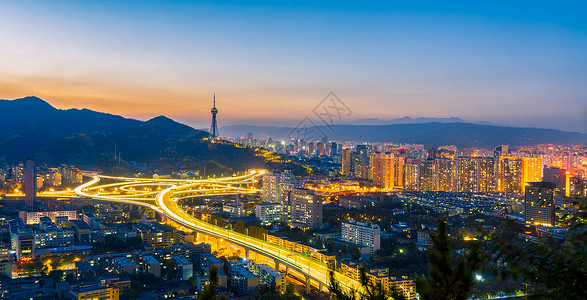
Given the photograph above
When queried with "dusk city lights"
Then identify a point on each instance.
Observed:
(289, 150)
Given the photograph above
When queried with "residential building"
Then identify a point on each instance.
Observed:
(306, 209)
(270, 277)
(539, 204)
(30, 183)
(268, 212)
(510, 175)
(34, 217)
(95, 292)
(183, 267)
(124, 264)
(242, 279)
(531, 170)
(382, 169)
(363, 234)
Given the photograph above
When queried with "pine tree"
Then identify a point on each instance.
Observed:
(450, 275)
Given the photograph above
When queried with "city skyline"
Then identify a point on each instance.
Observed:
(273, 63)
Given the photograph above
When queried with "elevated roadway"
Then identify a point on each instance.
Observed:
(165, 200)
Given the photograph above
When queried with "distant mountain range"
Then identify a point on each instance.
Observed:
(409, 120)
(31, 126)
(433, 134)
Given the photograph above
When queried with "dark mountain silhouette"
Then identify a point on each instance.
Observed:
(32, 117)
(430, 134)
(31, 126)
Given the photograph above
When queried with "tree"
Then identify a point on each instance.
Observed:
(450, 276)
(556, 269)
(209, 291)
(239, 226)
(355, 251)
(372, 290)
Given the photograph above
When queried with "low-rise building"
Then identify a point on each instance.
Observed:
(148, 264)
(268, 212)
(183, 267)
(207, 261)
(363, 234)
(424, 240)
(271, 277)
(95, 292)
(124, 265)
(242, 279)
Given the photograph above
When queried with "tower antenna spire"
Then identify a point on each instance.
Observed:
(214, 126)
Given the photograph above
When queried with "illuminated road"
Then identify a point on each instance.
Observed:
(163, 196)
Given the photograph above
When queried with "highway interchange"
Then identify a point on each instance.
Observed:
(164, 196)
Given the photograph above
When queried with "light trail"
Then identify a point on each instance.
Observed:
(165, 203)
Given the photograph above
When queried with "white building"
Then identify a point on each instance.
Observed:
(424, 240)
(363, 234)
(268, 212)
(34, 217)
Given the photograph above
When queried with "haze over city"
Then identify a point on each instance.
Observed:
(521, 64)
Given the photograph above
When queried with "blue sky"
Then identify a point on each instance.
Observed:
(521, 63)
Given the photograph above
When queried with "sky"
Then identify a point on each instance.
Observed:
(520, 63)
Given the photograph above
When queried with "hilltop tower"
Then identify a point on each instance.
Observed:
(214, 126)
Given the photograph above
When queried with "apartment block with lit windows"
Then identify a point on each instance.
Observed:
(510, 175)
(539, 204)
(306, 209)
(382, 169)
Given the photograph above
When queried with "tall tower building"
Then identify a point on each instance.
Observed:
(486, 175)
(306, 209)
(346, 162)
(398, 171)
(510, 175)
(214, 126)
(558, 177)
(30, 183)
(539, 204)
(412, 174)
(428, 176)
(531, 169)
(467, 169)
(382, 169)
(446, 170)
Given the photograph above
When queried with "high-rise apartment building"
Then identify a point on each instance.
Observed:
(346, 162)
(531, 170)
(428, 176)
(412, 174)
(467, 174)
(30, 183)
(382, 172)
(398, 171)
(446, 174)
(539, 204)
(271, 187)
(362, 234)
(510, 175)
(276, 189)
(558, 177)
(306, 209)
(486, 175)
